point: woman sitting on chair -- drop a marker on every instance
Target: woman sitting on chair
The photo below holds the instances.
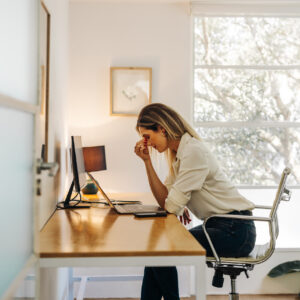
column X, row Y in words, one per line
column 195, row 181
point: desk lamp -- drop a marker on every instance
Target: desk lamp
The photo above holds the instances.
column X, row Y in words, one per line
column 94, row 160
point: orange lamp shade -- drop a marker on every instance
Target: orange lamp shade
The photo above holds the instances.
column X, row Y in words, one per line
column 94, row 158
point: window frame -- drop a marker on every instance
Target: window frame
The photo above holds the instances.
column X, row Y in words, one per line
column 240, row 8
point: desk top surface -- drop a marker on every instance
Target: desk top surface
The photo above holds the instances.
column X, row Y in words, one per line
column 99, row 231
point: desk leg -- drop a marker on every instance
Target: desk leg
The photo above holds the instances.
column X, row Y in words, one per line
column 71, row 284
column 48, row 284
column 55, row 284
column 200, row 278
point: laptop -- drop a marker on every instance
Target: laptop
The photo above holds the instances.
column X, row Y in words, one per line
column 127, row 208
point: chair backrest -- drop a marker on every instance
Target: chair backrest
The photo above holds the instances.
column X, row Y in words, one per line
column 283, row 194
column 263, row 252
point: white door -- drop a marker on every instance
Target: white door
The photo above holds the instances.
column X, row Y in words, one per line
column 19, row 107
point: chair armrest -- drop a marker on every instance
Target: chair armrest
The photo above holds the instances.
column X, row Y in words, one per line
column 263, row 207
column 241, row 217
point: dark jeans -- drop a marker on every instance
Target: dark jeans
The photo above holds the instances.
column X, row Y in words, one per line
column 230, row 237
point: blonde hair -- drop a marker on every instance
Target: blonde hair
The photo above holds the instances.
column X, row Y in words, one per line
column 157, row 114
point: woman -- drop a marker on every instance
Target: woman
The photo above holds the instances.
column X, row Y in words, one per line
column 195, row 181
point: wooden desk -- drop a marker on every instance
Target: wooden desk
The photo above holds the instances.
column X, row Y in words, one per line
column 98, row 236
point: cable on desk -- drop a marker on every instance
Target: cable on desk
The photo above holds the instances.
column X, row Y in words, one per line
column 60, row 205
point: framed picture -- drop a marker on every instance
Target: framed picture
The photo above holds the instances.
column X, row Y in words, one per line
column 130, row 90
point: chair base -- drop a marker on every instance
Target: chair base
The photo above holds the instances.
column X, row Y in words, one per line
column 231, row 270
column 234, row 296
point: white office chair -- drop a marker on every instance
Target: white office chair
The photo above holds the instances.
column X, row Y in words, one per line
column 234, row 266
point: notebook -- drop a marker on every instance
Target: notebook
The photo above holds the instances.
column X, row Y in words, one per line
column 126, row 208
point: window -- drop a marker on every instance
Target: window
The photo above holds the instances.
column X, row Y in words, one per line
column 247, row 95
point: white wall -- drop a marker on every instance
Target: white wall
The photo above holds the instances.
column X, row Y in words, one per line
column 104, row 35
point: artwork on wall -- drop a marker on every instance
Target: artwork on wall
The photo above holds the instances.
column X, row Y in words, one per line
column 44, row 38
column 130, row 90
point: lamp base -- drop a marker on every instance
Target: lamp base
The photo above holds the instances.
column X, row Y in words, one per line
column 90, row 189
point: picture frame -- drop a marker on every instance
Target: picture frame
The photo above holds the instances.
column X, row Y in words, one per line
column 130, row 90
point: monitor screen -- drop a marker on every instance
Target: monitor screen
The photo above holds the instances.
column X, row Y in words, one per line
column 78, row 168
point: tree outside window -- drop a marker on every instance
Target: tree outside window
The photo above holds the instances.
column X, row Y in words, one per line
column 247, row 95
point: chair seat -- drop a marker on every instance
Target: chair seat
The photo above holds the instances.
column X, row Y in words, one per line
column 259, row 251
column 256, row 256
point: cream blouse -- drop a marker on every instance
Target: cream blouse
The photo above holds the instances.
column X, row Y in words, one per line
column 199, row 183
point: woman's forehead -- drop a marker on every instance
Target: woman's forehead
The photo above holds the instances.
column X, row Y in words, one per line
column 144, row 131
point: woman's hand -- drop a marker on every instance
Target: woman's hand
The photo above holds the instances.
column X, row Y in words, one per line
column 141, row 149
column 185, row 218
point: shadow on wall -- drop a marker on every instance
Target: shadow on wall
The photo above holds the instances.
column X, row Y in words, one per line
column 57, row 178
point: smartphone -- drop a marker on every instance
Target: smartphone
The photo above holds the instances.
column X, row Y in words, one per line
column 150, row 214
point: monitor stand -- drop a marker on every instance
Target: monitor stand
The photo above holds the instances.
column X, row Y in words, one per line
column 66, row 204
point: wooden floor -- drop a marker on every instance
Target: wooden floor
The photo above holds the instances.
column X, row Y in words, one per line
column 210, row 297
column 222, row 297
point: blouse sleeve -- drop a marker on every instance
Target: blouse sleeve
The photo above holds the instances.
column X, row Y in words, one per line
column 168, row 182
column 192, row 172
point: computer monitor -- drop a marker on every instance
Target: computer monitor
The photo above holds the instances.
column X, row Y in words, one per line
column 78, row 163
column 79, row 177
